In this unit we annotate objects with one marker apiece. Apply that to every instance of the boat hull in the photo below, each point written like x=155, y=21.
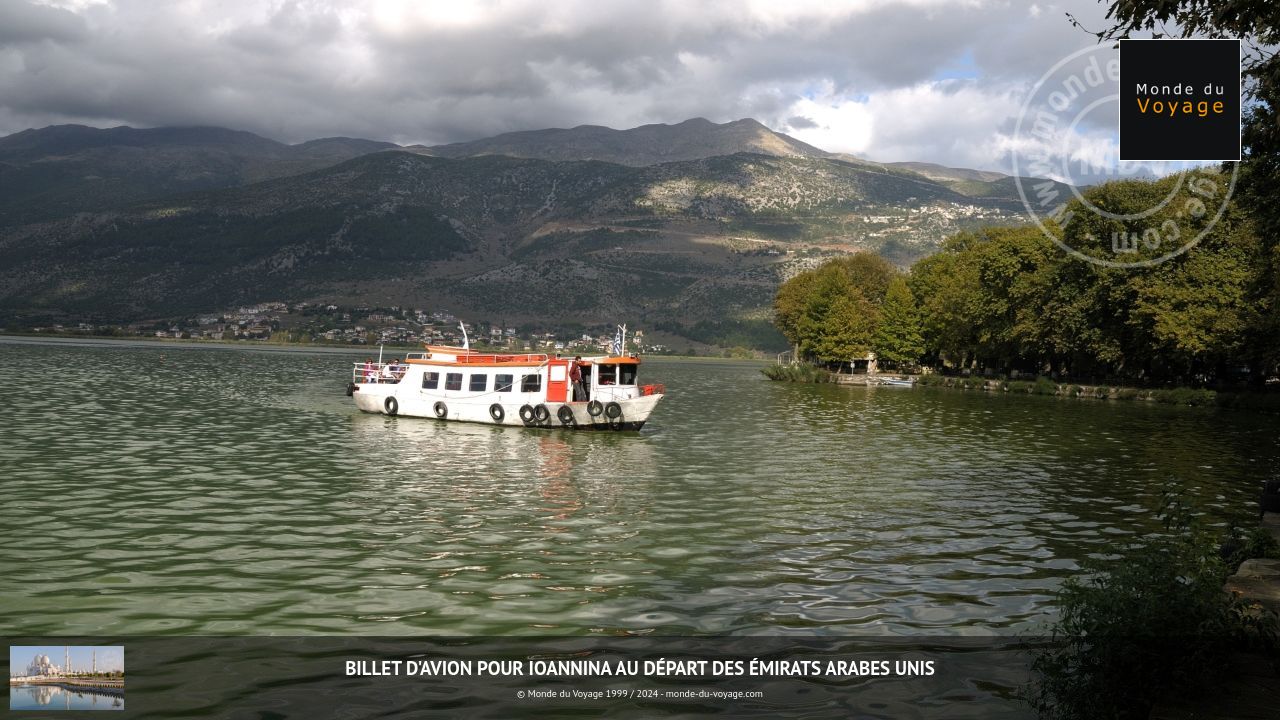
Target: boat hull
x=399, y=400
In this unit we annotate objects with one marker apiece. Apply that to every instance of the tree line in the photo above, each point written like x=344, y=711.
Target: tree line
x=1005, y=299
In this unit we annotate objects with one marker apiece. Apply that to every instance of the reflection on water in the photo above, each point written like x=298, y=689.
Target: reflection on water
x=56, y=697
x=233, y=491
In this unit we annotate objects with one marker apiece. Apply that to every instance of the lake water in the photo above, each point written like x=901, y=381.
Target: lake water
x=53, y=697
x=153, y=489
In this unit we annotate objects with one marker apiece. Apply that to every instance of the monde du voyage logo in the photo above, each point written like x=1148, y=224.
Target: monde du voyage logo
x=1166, y=111
x=1180, y=100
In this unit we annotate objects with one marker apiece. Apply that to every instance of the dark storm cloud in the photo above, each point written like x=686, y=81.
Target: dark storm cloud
x=21, y=22
x=414, y=71
x=884, y=47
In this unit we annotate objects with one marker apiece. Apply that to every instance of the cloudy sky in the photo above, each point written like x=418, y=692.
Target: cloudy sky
x=930, y=80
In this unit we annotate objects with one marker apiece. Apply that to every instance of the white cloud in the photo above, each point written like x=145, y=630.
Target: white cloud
x=837, y=125
x=952, y=121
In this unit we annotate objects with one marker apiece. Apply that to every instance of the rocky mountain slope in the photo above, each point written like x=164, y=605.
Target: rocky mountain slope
x=64, y=169
x=584, y=241
x=680, y=227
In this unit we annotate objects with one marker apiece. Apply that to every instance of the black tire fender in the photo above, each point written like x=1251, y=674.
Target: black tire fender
x=391, y=405
x=440, y=409
x=526, y=414
x=613, y=411
x=351, y=389
x=565, y=415
x=594, y=408
x=496, y=412
x=541, y=413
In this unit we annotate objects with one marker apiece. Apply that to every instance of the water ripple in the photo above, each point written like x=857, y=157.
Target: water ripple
x=160, y=490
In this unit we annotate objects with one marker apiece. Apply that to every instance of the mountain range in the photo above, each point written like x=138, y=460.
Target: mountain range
x=687, y=227
x=645, y=145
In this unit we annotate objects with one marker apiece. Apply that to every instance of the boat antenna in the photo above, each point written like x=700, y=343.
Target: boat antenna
x=466, y=342
x=379, y=354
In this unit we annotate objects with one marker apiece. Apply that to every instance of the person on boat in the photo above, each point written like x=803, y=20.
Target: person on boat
x=370, y=375
x=575, y=376
x=390, y=371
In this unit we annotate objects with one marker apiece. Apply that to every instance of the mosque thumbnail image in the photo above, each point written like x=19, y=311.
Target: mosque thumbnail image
x=66, y=677
x=86, y=662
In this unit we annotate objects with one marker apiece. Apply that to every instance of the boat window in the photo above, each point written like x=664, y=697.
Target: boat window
x=430, y=381
x=608, y=375
x=453, y=381
x=531, y=383
x=502, y=383
x=627, y=374
x=479, y=383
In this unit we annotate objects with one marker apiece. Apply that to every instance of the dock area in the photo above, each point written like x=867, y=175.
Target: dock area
x=865, y=379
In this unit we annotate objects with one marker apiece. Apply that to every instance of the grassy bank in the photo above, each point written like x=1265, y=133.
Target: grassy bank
x=1195, y=397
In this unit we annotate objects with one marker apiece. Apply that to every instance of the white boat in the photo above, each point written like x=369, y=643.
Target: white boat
x=895, y=382
x=531, y=390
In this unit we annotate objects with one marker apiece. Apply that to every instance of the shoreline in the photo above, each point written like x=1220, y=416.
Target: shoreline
x=67, y=339
x=1242, y=398
x=275, y=346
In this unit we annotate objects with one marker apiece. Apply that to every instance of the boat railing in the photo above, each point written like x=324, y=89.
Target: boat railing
x=461, y=356
x=497, y=358
x=372, y=372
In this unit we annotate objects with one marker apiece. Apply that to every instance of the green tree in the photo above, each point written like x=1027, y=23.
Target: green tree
x=1183, y=318
x=1007, y=298
x=789, y=305
x=830, y=313
x=946, y=286
x=837, y=321
x=898, y=339
x=1013, y=270
x=1194, y=314
x=869, y=273
x=847, y=327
